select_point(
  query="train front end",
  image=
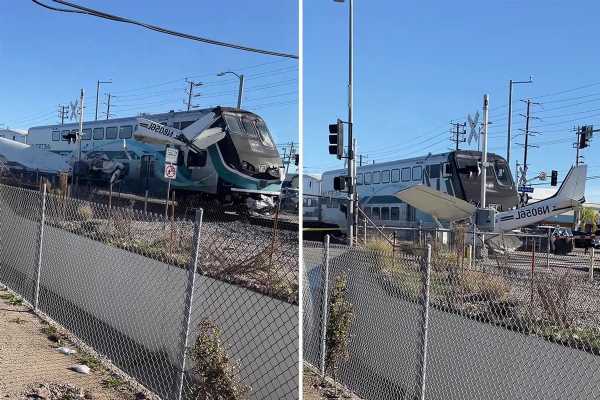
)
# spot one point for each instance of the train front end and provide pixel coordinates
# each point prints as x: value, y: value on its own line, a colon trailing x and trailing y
x: 247, y: 160
x: 501, y: 188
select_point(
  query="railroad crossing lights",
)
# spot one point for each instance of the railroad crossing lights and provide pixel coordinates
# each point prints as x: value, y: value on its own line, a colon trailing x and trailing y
x: 170, y: 171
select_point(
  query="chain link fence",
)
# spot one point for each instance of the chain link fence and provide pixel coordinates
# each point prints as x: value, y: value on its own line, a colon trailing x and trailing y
x: 440, y: 320
x: 148, y: 292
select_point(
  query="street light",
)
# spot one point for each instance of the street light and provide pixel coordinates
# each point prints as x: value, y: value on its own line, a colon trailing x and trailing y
x: 351, y: 187
x: 97, y: 91
x: 508, y: 139
x: 241, y: 88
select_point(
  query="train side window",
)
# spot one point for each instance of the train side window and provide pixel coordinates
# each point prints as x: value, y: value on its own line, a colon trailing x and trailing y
x: 111, y: 132
x: 125, y: 132
x: 56, y: 136
x: 197, y: 159
x: 86, y: 134
x: 385, y: 176
x: 417, y: 173
x: 64, y: 135
x: 395, y: 213
x: 359, y: 179
x: 98, y: 134
x: 368, y: 177
x: 434, y: 171
x: 375, y: 212
x: 395, y: 175
x: 376, y: 177
x: 406, y: 174
x: 385, y: 213
x: 447, y: 170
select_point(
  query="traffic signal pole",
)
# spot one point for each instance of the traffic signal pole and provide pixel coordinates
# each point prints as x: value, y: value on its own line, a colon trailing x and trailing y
x: 352, y: 186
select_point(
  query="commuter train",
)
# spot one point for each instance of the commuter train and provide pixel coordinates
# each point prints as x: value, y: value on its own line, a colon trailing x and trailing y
x: 244, y: 165
x: 456, y: 173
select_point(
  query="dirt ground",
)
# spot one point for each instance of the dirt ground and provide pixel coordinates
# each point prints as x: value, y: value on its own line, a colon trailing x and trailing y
x: 314, y: 388
x: 29, y: 358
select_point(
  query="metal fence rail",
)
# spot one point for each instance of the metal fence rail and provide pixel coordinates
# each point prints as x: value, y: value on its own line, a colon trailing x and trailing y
x: 136, y: 287
x: 452, y: 325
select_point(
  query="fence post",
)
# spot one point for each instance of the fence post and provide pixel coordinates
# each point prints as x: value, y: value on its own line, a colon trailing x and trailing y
x: 592, y: 255
x: 422, y: 367
x: 548, y: 249
x: 38, y: 267
x: 324, y: 306
x: 365, y: 232
x: 189, y: 298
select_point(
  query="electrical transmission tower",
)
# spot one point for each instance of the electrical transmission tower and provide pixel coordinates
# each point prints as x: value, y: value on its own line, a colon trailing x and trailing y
x: 107, y: 112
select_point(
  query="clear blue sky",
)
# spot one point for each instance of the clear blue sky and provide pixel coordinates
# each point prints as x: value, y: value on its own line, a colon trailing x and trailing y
x: 421, y: 64
x: 48, y: 56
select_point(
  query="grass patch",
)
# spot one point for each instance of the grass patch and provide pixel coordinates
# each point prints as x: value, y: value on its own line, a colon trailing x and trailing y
x: 113, y: 382
x: 89, y: 360
x: 12, y: 299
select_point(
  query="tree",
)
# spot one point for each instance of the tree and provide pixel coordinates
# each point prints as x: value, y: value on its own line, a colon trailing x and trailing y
x: 589, y: 216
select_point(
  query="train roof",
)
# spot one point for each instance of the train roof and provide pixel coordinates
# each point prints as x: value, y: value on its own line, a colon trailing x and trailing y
x: 415, y: 159
x: 169, y: 114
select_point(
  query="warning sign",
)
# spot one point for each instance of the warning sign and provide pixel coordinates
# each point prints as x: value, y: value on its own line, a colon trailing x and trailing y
x: 170, y: 171
x: 171, y: 155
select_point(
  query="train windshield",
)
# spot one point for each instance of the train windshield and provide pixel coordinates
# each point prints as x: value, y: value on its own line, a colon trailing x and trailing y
x: 502, y: 173
x: 252, y: 127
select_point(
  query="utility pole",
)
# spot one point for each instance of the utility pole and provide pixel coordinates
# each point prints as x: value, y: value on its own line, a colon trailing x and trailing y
x: 108, y: 106
x: 484, y: 145
x: 191, y: 94
x: 97, y: 94
x: 352, y: 186
x: 62, y: 112
x: 81, y: 109
x: 508, y: 138
x: 240, y: 87
x: 456, y: 131
x: 528, y: 132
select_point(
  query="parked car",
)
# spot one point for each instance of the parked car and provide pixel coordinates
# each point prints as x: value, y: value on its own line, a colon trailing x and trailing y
x: 561, y: 241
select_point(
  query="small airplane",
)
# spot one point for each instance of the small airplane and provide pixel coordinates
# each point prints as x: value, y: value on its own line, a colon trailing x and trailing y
x: 196, y: 136
x: 445, y: 207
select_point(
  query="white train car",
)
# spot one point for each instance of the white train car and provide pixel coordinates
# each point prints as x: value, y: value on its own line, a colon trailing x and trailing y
x: 456, y: 173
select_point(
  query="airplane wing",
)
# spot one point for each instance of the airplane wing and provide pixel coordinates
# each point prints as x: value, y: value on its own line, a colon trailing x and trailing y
x: 208, y: 137
x: 438, y: 204
x: 152, y: 132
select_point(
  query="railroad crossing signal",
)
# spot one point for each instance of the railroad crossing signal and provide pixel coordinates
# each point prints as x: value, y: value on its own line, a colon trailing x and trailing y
x: 336, y: 139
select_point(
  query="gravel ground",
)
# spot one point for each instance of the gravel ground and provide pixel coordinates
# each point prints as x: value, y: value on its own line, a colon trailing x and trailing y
x: 314, y: 388
x: 32, y: 367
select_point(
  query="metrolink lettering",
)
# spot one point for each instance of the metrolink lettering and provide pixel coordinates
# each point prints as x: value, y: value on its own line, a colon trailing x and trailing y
x: 532, y: 212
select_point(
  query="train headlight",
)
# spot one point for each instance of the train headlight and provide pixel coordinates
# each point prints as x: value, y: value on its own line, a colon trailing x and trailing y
x: 248, y: 167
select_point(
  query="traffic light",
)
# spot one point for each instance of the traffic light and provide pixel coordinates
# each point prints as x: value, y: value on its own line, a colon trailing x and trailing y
x: 296, y: 159
x: 336, y: 139
x: 585, y: 135
x: 339, y: 183
x: 554, y: 178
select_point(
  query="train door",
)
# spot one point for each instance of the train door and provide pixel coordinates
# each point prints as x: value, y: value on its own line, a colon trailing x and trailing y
x: 146, y: 170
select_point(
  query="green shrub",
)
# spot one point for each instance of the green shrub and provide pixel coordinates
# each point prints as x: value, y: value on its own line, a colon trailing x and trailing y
x: 217, y: 373
x: 339, y: 322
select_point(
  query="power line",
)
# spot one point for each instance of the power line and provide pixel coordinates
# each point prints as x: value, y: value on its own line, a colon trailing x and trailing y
x: 89, y: 11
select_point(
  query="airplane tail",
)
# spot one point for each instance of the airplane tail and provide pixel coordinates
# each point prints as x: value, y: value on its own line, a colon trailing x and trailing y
x: 573, y: 187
